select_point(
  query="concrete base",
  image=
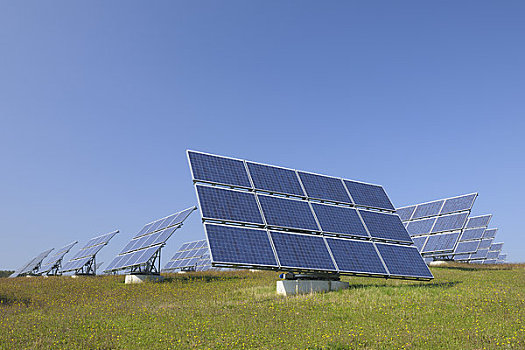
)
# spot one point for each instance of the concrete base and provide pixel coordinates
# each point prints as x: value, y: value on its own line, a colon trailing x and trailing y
x: 438, y: 263
x: 131, y: 279
x: 293, y: 287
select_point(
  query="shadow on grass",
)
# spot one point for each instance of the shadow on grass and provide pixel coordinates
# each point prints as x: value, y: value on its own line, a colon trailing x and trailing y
x: 418, y: 285
x: 9, y: 301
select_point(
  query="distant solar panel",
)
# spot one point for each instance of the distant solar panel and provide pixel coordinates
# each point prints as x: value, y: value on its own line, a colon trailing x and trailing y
x: 141, y: 253
x: 472, y: 233
x: 420, y: 227
x: 428, y: 209
x: 490, y: 233
x: 496, y: 246
x: 405, y: 213
x: 486, y: 243
x: 459, y: 203
x: 466, y: 247
x: 441, y: 242
x: 53, y: 265
x: 83, y: 262
x: 478, y: 221
x: 32, y: 266
x: 450, y: 222
x: 191, y: 256
x: 300, y: 222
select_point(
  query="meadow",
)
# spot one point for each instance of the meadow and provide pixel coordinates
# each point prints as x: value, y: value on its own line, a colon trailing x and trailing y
x: 462, y: 308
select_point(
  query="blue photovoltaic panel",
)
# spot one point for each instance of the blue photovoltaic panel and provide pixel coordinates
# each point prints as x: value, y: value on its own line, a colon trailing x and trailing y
x: 385, y: 226
x: 55, y: 260
x: 428, y: 209
x: 217, y: 169
x: 490, y: 261
x: 288, y: 213
x: 420, y: 227
x: 75, y: 264
x: 339, y: 220
x: 441, y: 242
x: 403, y: 261
x: 239, y: 245
x: 496, y: 246
x: 480, y: 254
x: 274, y: 179
x: 462, y: 256
x: 466, y: 247
x: 189, y: 256
x: 490, y: 233
x: 419, y: 242
x: 450, y: 222
x: 485, y: 243
x: 368, y: 195
x: 502, y: 257
x: 169, y: 221
x: 405, y: 213
x: 324, y: 187
x: 493, y: 254
x: 306, y: 252
x: 460, y: 203
x: 223, y: 204
x: 472, y: 233
x: 478, y: 221
x: 352, y: 256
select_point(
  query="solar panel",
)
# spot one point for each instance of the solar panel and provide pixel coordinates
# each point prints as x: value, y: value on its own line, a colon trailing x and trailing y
x: 459, y: 203
x: 53, y: 264
x: 191, y: 256
x: 428, y: 209
x: 496, y: 246
x: 403, y: 261
x: 368, y: 195
x: 83, y: 262
x: 493, y: 254
x: 478, y: 221
x: 141, y: 253
x: 479, y: 254
x: 32, y: 266
x: 221, y: 170
x: 441, y: 242
x: 420, y: 227
x: 298, y: 221
x: 420, y: 242
x: 405, y: 213
x: 472, y: 233
x: 450, y: 222
x: 485, y: 243
x: 466, y: 247
x: 490, y: 233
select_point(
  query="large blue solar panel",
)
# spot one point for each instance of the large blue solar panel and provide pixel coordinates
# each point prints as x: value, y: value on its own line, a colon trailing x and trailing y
x: 419, y: 242
x: 472, y: 233
x: 368, y: 195
x: 420, y: 227
x: 352, y: 256
x: 288, y: 213
x: 274, y: 179
x: 339, y: 220
x: 460, y: 203
x: 490, y: 233
x: 466, y: 247
x: 403, y: 261
x: 496, y: 246
x: 485, y: 243
x: 385, y: 226
x: 478, y: 221
x: 298, y: 251
x: 240, y: 246
x: 480, y: 254
x: 324, y: 187
x: 405, y: 213
x: 427, y: 209
x: 493, y: 254
x: 217, y: 169
x: 441, y: 242
x: 77, y: 264
x: 223, y: 204
x: 450, y: 222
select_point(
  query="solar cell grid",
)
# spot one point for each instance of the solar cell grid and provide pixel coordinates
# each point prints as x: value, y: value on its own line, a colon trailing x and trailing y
x: 473, y: 233
x: 428, y: 209
x: 217, y: 169
x: 405, y: 213
x: 287, y: 213
x: 420, y: 227
x: 441, y: 242
x: 467, y: 247
x: 496, y: 246
x: 352, y: 256
x: 324, y: 187
x: 419, y: 242
x: 493, y: 254
x: 490, y: 233
x: 339, y: 220
x: 478, y: 221
x: 460, y: 203
x: 485, y: 243
x: 385, y: 226
x: 275, y: 179
x: 403, y: 261
x: 368, y: 195
x: 479, y: 254
x: 450, y: 222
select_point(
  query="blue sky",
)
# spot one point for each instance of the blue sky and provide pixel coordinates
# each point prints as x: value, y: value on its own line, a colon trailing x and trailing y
x: 99, y: 101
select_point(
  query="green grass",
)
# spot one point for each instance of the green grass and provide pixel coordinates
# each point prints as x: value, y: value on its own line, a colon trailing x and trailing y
x: 462, y: 308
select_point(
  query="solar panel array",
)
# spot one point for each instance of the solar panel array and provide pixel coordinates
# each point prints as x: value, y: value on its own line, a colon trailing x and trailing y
x: 436, y: 227
x: 32, y: 266
x: 191, y: 256
x: 267, y: 217
x: 53, y: 264
x: 141, y: 252
x: 83, y: 261
x: 473, y: 239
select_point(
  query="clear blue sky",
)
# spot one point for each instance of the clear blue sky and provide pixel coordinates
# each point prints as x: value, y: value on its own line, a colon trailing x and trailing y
x: 99, y: 101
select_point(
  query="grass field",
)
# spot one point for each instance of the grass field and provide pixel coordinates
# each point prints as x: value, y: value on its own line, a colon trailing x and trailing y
x: 462, y: 308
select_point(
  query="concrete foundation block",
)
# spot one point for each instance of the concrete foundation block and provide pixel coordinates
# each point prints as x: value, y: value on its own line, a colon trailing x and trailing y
x: 438, y: 263
x: 294, y: 287
x: 132, y: 279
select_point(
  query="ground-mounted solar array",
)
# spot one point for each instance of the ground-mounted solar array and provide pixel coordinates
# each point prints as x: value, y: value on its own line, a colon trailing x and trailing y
x: 191, y: 256
x: 83, y: 262
x: 142, y: 253
x: 53, y: 264
x: 436, y: 227
x: 32, y: 266
x: 267, y: 217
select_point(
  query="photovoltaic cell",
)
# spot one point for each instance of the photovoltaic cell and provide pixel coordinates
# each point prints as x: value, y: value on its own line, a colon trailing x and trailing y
x: 461, y: 257
x: 353, y: 256
x: 275, y: 179
x: 419, y: 242
x: 450, y: 222
x: 460, y: 203
x: 493, y: 254
x: 472, y: 233
x: 289, y: 213
x: 485, y: 243
x: 403, y: 261
x: 478, y: 221
x: 420, y: 227
x: 385, y: 226
x: 405, y: 213
x: 217, y: 169
x: 324, y: 187
x: 223, y: 204
x: 190, y: 256
x: 428, y: 209
x: 368, y: 195
x: 480, y: 254
x: 441, y: 242
x: 466, y: 247
x: 239, y: 245
x: 339, y: 220
x: 496, y: 246
x: 490, y: 233
x: 302, y: 251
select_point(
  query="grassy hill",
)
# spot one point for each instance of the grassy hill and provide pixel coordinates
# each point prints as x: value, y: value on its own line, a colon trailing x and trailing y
x: 462, y: 308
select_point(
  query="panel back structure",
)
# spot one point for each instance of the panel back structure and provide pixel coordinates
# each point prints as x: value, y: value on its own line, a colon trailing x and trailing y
x: 142, y: 253
x: 52, y: 266
x: 436, y: 226
x: 191, y: 256
x: 32, y: 266
x: 84, y: 262
x: 261, y: 216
